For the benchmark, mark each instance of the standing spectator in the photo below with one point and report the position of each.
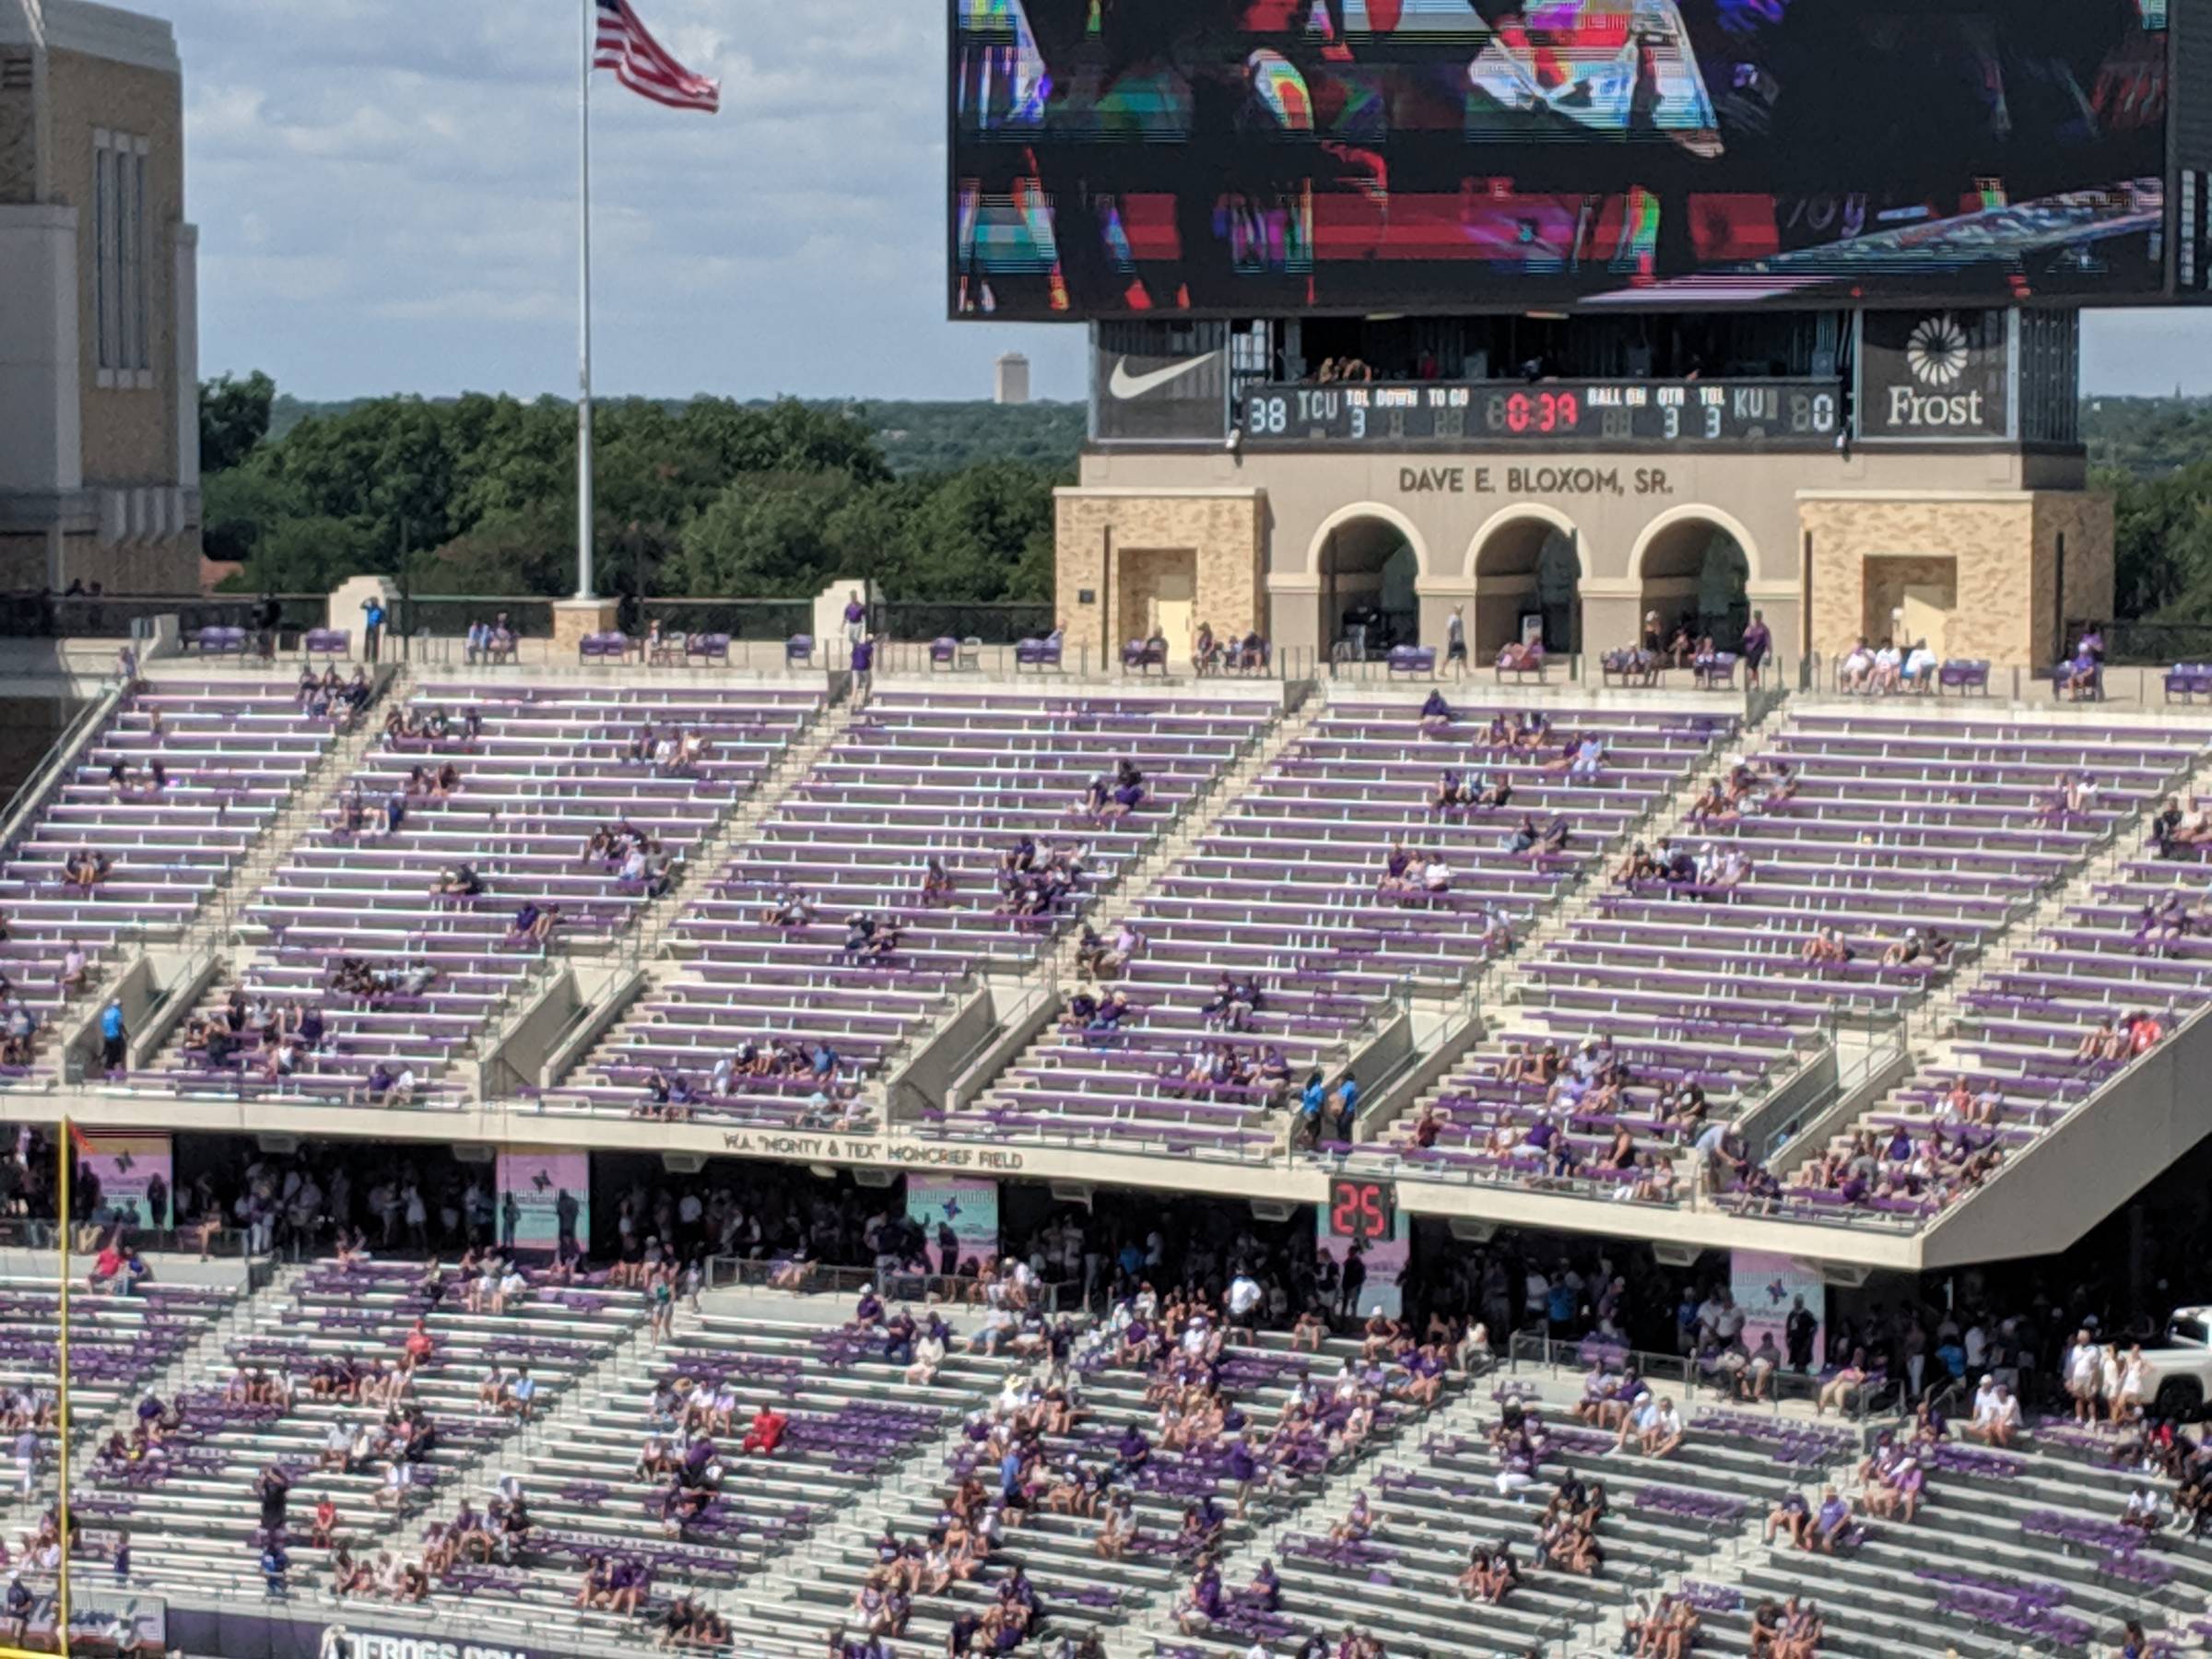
(1455, 645)
(372, 625)
(856, 625)
(863, 664)
(111, 1037)
(1757, 642)
(1348, 1107)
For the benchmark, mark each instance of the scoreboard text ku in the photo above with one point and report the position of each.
(1783, 414)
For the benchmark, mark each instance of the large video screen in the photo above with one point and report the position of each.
(1117, 157)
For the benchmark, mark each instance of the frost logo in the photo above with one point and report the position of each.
(1938, 354)
(1936, 351)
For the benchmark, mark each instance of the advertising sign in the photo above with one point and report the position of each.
(1936, 377)
(137, 1174)
(969, 1206)
(545, 1198)
(1767, 1286)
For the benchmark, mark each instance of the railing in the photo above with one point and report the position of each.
(991, 624)
(416, 614)
(896, 1284)
(2144, 643)
(740, 619)
(1539, 1350)
(30, 614)
(61, 758)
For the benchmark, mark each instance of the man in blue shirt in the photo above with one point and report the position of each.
(111, 1037)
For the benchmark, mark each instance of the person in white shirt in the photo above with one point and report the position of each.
(1858, 668)
(1996, 1415)
(1244, 1295)
(1920, 665)
(2084, 1368)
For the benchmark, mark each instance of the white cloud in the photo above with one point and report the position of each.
(386, 191)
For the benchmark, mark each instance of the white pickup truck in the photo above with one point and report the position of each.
(2180, 1367)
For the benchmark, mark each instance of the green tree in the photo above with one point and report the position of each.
(234, 418)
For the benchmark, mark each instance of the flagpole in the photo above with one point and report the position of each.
(583, 308)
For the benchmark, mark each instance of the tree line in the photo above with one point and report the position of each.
(709, 497)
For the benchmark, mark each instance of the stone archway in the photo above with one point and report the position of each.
(1368, 560)
(1691, 565)
(1526, 560)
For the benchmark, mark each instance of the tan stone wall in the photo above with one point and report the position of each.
(1866, 551)
(1226, 536)
(2084, 518)
(170, 565)
(129, 434)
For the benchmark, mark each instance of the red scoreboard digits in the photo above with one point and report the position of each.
(1366, 1210)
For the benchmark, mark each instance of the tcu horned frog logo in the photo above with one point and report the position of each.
(1938, 354)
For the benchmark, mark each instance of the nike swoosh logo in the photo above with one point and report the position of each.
(1125, 385)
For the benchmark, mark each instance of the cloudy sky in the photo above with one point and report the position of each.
(385, 192)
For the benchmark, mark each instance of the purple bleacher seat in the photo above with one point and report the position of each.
(1529, 664)
(798, 651)
(707, 648)
(1964, 674)
(2188, 681)
(1631, 666)
(2061, 672)
(603, 647)
(1411, 659)
(1040, 653)
(327, 642)
(221, 641)
(944, 652)
(1144, 655)
(1717, 673)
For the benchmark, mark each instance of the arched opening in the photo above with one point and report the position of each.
(1368, 567)
(1694, 570)
(1528, 573)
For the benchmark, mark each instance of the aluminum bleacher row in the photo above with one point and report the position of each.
(853, 1421)
(1079, 1589)
(549, 765)
(1945, 825)
(234, 752)
(2009, 1551)
(192, 1513)
(1286, 889)
(918, 775)
(2020, 1031)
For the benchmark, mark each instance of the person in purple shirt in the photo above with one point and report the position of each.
(1756, 642)
(856, 622)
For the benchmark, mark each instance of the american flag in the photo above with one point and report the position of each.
(642, 64)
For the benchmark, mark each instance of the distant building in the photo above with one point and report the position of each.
(1012, 383)
(99, 432)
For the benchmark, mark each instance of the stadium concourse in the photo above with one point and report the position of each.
(583, 1157)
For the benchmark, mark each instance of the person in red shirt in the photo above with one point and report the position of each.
(420, 1348)
(765, 1434)
(107, 1268)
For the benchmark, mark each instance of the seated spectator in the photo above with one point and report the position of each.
(1435, 715)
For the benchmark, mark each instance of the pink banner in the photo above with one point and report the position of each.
(136, 1173)
(545, 1198)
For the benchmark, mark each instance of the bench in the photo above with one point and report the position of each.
(1964, 675)
(221, 641)
(798, 651)
(2061, 672)
(1527, 666)
(1144, 655)
(611, 647)
(1411, 659)
(327, 642)
(1039, 654)
(2188, 681)
(704, 648)
(1715, 673)
(1630, 666)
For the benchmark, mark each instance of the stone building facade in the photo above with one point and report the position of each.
(99, 338)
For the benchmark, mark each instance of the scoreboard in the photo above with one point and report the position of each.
(1651, 414)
